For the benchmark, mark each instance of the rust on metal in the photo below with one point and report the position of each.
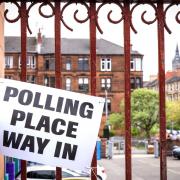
(98, 1)
(93, 73)
(24, 18)
(161, 69)
(58, 45)
(127, 22)
(57, 29)
(92, 15)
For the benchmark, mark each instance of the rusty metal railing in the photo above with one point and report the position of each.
(127, 10)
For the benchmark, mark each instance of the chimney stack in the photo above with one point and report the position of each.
(39, 41)
(39, 37)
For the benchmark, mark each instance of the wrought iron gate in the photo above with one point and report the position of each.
(127, 9)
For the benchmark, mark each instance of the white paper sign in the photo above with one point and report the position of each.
(48, 125)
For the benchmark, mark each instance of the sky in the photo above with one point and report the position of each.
(145, 41)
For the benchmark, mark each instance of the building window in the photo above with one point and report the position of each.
(49, 63)
(46, 64)
(8, 77)
(31, 62)
(105, 64)
(83, 84)
(49, 81)
(132, 64)
(68, 84)
(106, 84)
(8, 61)
(108, 106)
(68, 65)
(138, 62)
(138, 82)
(133, 83)
(83, 64)
(31, 79)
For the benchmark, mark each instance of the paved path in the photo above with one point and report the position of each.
(144, 167)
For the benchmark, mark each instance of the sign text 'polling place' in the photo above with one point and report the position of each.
(48, 125)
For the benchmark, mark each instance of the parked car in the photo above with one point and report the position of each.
(176, 152)
(48, 172)
(101, 174)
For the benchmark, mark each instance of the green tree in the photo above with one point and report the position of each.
(116, 120)
(144, 110)
(173, 114)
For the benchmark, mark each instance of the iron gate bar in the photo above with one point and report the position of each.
(161, 71)
(58, 59)
(127, 53)
(92, 13)
(23, 15)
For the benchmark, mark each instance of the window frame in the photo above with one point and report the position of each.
(106, 64)
(83, 64)
(106, 83)
(84, 84)
(9, 61)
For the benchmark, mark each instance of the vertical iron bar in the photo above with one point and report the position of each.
(93, 72)
(23, 40)
(161, 66)
(127, 52)
(58, 60)
(24, 19)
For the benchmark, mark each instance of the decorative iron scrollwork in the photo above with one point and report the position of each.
(177, 18)
(143, 15)
(75, 14)
(18, 16)
(109, 15)
(87, 6)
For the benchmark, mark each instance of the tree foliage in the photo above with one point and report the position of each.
(144, 113)
(144, 110)
(116, 120)
(173, 114)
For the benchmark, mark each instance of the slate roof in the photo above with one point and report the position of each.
(151, 83)
(69, 46)
(173, 79)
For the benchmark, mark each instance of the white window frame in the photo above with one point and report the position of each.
(68, 84)
(106, 64)
(132, 64)
(138, 64)
(83, 81)
(31, 79)
(106, 84)
(30, 61)
(68, 64)
(83, 60)
(8, 61)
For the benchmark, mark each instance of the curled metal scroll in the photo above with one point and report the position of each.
(46, 4)
(177, 17)
(40, 11)
(28, 10)
(75, 14)
(143, 15)
(77, 19)
(16, 18)
(109, 15)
